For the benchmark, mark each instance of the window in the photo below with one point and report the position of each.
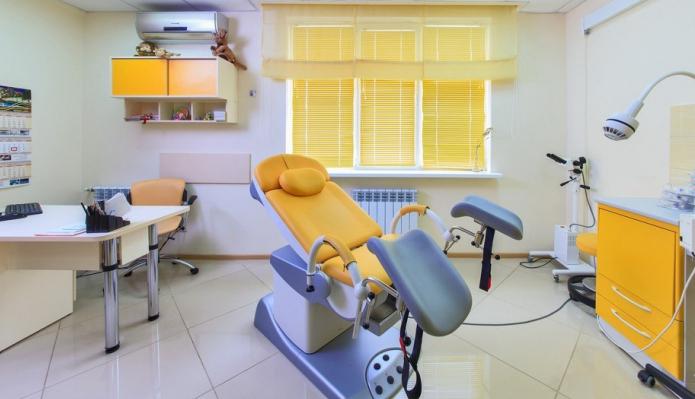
(452, 112)
(322, 109)
(389, 87)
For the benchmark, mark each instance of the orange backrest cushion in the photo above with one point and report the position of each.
(157, 192)
(309, 212)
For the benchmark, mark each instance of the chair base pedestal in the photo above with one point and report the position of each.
(338, 369)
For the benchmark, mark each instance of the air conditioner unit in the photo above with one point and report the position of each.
(179, 26)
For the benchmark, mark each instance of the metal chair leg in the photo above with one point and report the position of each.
(176, 261)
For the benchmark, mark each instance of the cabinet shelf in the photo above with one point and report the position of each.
(151, 85)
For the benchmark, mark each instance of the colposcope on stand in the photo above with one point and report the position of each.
(565, 248)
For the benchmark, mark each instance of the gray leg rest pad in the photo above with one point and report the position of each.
(491, 215)
(431, 288)
(337, 369)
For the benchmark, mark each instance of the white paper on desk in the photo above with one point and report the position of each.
(69, 230)
(117, 206)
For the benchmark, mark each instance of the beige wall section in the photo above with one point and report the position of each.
(42, 50)
(607, 70)
(528, 116)
(682, 156)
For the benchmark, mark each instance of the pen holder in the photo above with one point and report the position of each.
(104, 223)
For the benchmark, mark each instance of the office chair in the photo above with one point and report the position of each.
(162, 192)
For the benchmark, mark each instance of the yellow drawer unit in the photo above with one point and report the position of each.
(668, 356)
(637, 308)
(639, 280)
(641, 255)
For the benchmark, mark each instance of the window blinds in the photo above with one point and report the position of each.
(322, 109)
(498, 22)
(453, 112)
(387, 107)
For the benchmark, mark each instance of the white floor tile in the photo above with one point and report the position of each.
(274, 378)
(262, 269)
(23, 366)
(180, 279)
(161, 360)
(600, 370)
(90, 295)
(165, 369)
(470, 271)
(208, 395)
(542, 349)
(231, 344)
(454, 369)
(219, 296)
(81, 346)
(36, 395)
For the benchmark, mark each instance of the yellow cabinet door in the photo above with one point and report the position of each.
(193, 78)
(641, 256)
(133, 77)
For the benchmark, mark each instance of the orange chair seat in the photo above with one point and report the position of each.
(368, 264)
(587, 243)
(168, 225)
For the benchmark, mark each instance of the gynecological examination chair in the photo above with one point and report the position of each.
(342, 284)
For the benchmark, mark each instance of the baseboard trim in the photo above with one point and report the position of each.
(453, 255)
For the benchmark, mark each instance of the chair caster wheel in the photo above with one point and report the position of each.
(195, 271)
(556, 278)
(646, 378)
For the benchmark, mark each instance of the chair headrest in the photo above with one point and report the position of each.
(267, 172)
(302, 182)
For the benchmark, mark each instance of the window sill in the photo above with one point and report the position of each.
(393, 173)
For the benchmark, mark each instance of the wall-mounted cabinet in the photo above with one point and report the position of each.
(161, 87)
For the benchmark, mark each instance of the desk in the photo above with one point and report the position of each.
(21, 248)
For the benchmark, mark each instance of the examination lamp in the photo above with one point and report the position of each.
(621, 126)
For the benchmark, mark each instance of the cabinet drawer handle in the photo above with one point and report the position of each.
(625, 297)
(635, 329)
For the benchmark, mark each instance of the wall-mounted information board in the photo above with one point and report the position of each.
(15, 136)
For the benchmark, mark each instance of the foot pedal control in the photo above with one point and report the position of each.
(582, 289)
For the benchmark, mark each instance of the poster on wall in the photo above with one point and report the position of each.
(15, 136)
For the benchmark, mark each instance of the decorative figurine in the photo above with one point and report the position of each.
(183, 114)
(149, 49)
(223, 51)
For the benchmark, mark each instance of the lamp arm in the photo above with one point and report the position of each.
(636, 106)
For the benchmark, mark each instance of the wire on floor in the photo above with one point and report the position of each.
(531, 264)
(516, 323)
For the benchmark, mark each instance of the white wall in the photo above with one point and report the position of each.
(528, 116)
(607, 70)
(41, 49)
(46, 57)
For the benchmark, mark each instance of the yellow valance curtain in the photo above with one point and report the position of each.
(459, 42)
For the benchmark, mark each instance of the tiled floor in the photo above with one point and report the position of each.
(205, 346)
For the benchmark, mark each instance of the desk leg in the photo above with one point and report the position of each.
(110, 268)
(153, 274)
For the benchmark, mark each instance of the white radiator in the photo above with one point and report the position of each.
(383, 204)
(102, 193)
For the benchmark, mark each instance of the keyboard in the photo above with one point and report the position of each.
(32, 208)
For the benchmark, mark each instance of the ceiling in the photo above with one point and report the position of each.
(536, 6)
